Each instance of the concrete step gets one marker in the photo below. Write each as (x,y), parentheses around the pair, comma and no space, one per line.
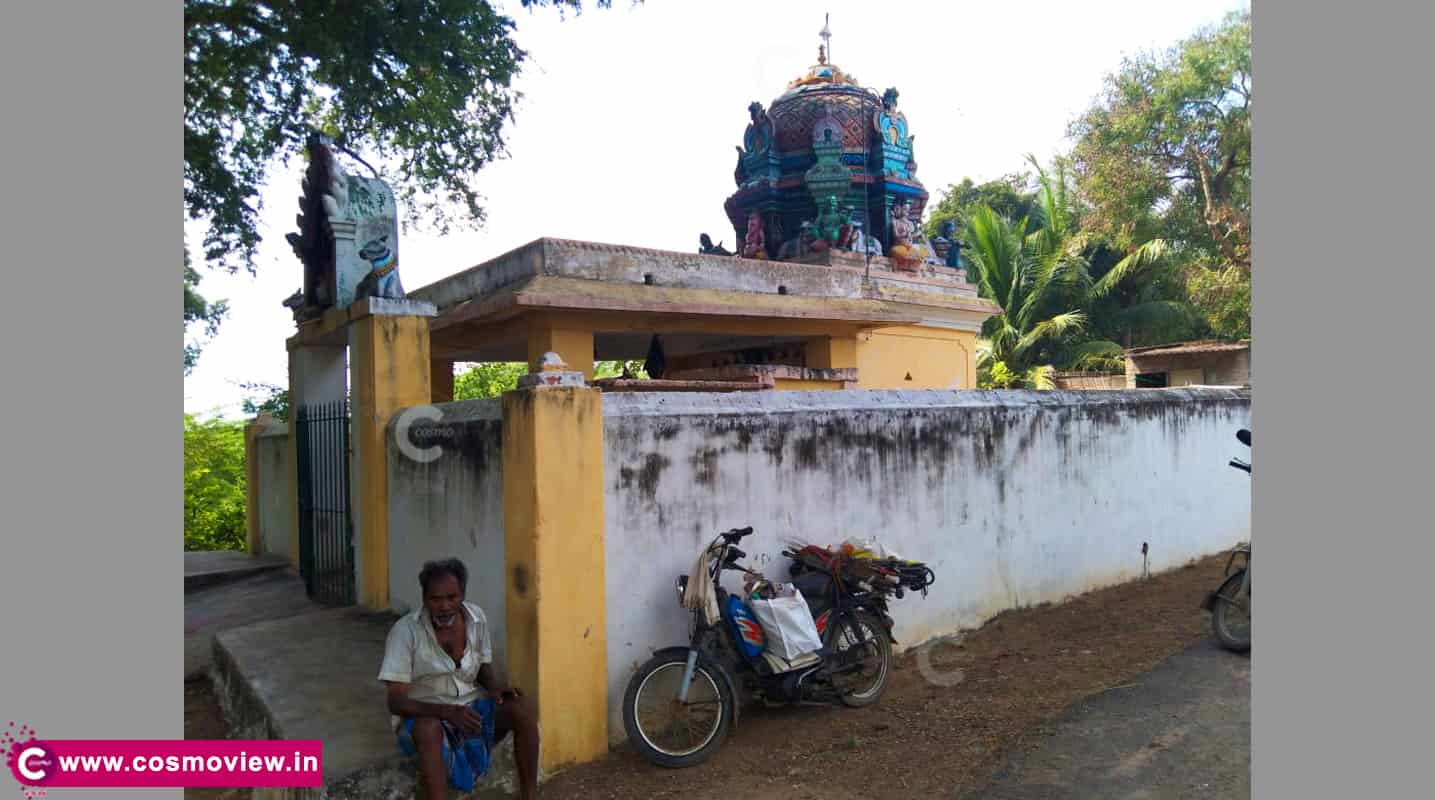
(270,594)
(205,568)
(314,675)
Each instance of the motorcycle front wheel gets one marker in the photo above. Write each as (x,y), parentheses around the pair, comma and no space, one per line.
(670,732)
(1231,615)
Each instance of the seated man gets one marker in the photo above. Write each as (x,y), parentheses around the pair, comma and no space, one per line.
(436,660)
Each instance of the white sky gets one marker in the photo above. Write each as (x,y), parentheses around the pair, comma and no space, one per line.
(630,116)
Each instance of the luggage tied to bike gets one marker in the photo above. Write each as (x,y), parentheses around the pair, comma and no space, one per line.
(786,623)
(867,561)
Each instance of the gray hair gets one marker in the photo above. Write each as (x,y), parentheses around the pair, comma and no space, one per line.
(437,569)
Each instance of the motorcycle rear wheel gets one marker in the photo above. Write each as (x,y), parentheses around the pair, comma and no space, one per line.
(864,630)
(671,733)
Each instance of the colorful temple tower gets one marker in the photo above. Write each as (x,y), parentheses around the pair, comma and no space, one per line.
(829,147)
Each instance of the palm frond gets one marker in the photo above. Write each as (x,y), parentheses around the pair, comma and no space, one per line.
(1059,325)
(996,251)
(1144,256)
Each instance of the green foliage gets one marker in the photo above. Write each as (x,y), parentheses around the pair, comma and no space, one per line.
(488,379)
(1028,282)
(1008,197)
(1224,298)
(614,369)
(1166,151)
(200,313)
(214,484)
(271,398)
(997,375)
(424,85)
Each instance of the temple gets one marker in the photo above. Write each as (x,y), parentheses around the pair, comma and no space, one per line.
(832,287)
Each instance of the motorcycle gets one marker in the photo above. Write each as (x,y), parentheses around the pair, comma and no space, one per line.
(682,704)
(1230,604)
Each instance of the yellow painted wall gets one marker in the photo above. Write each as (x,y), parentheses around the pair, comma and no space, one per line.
(390,371)
(801,385)
(554,566)
(832,352)
(936,358)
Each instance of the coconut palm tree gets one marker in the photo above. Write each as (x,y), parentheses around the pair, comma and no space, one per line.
(1042,280)
(1013,272)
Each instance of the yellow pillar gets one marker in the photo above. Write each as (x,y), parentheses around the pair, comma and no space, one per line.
(832,352)
(553,560)
(574,341)
(389,364)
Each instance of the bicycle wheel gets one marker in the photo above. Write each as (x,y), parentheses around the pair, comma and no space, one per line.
(1231,615)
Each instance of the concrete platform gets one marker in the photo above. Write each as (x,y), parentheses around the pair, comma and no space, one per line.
(208,567)
(315,676)
(253,596)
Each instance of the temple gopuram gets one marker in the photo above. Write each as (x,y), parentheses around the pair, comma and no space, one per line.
(828,166)
(832,285)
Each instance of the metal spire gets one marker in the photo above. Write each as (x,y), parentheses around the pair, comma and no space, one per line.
(826,35)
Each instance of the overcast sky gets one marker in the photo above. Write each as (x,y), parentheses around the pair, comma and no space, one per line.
(630,116)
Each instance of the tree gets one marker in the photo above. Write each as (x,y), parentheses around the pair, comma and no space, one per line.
(272,399)
(1166,153)
(200,313)
(1009,270)
(1054,311)
(422,84)
(214,484)
(488,379)
(615,369)
(1008,196)
(1171,138)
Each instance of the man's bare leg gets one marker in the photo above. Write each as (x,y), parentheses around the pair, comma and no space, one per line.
(428,740)
(516,714)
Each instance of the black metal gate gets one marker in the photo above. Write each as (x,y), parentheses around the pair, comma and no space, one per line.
(326,532)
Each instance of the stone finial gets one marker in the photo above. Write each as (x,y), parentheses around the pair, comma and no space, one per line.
(552,362)
(552,371)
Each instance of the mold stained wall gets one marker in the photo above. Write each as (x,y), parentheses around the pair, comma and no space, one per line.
(1014,498)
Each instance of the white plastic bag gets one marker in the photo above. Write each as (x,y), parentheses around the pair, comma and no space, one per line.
(788,625)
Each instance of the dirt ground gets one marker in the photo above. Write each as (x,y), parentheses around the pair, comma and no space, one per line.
(1019,671)
(203,720)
